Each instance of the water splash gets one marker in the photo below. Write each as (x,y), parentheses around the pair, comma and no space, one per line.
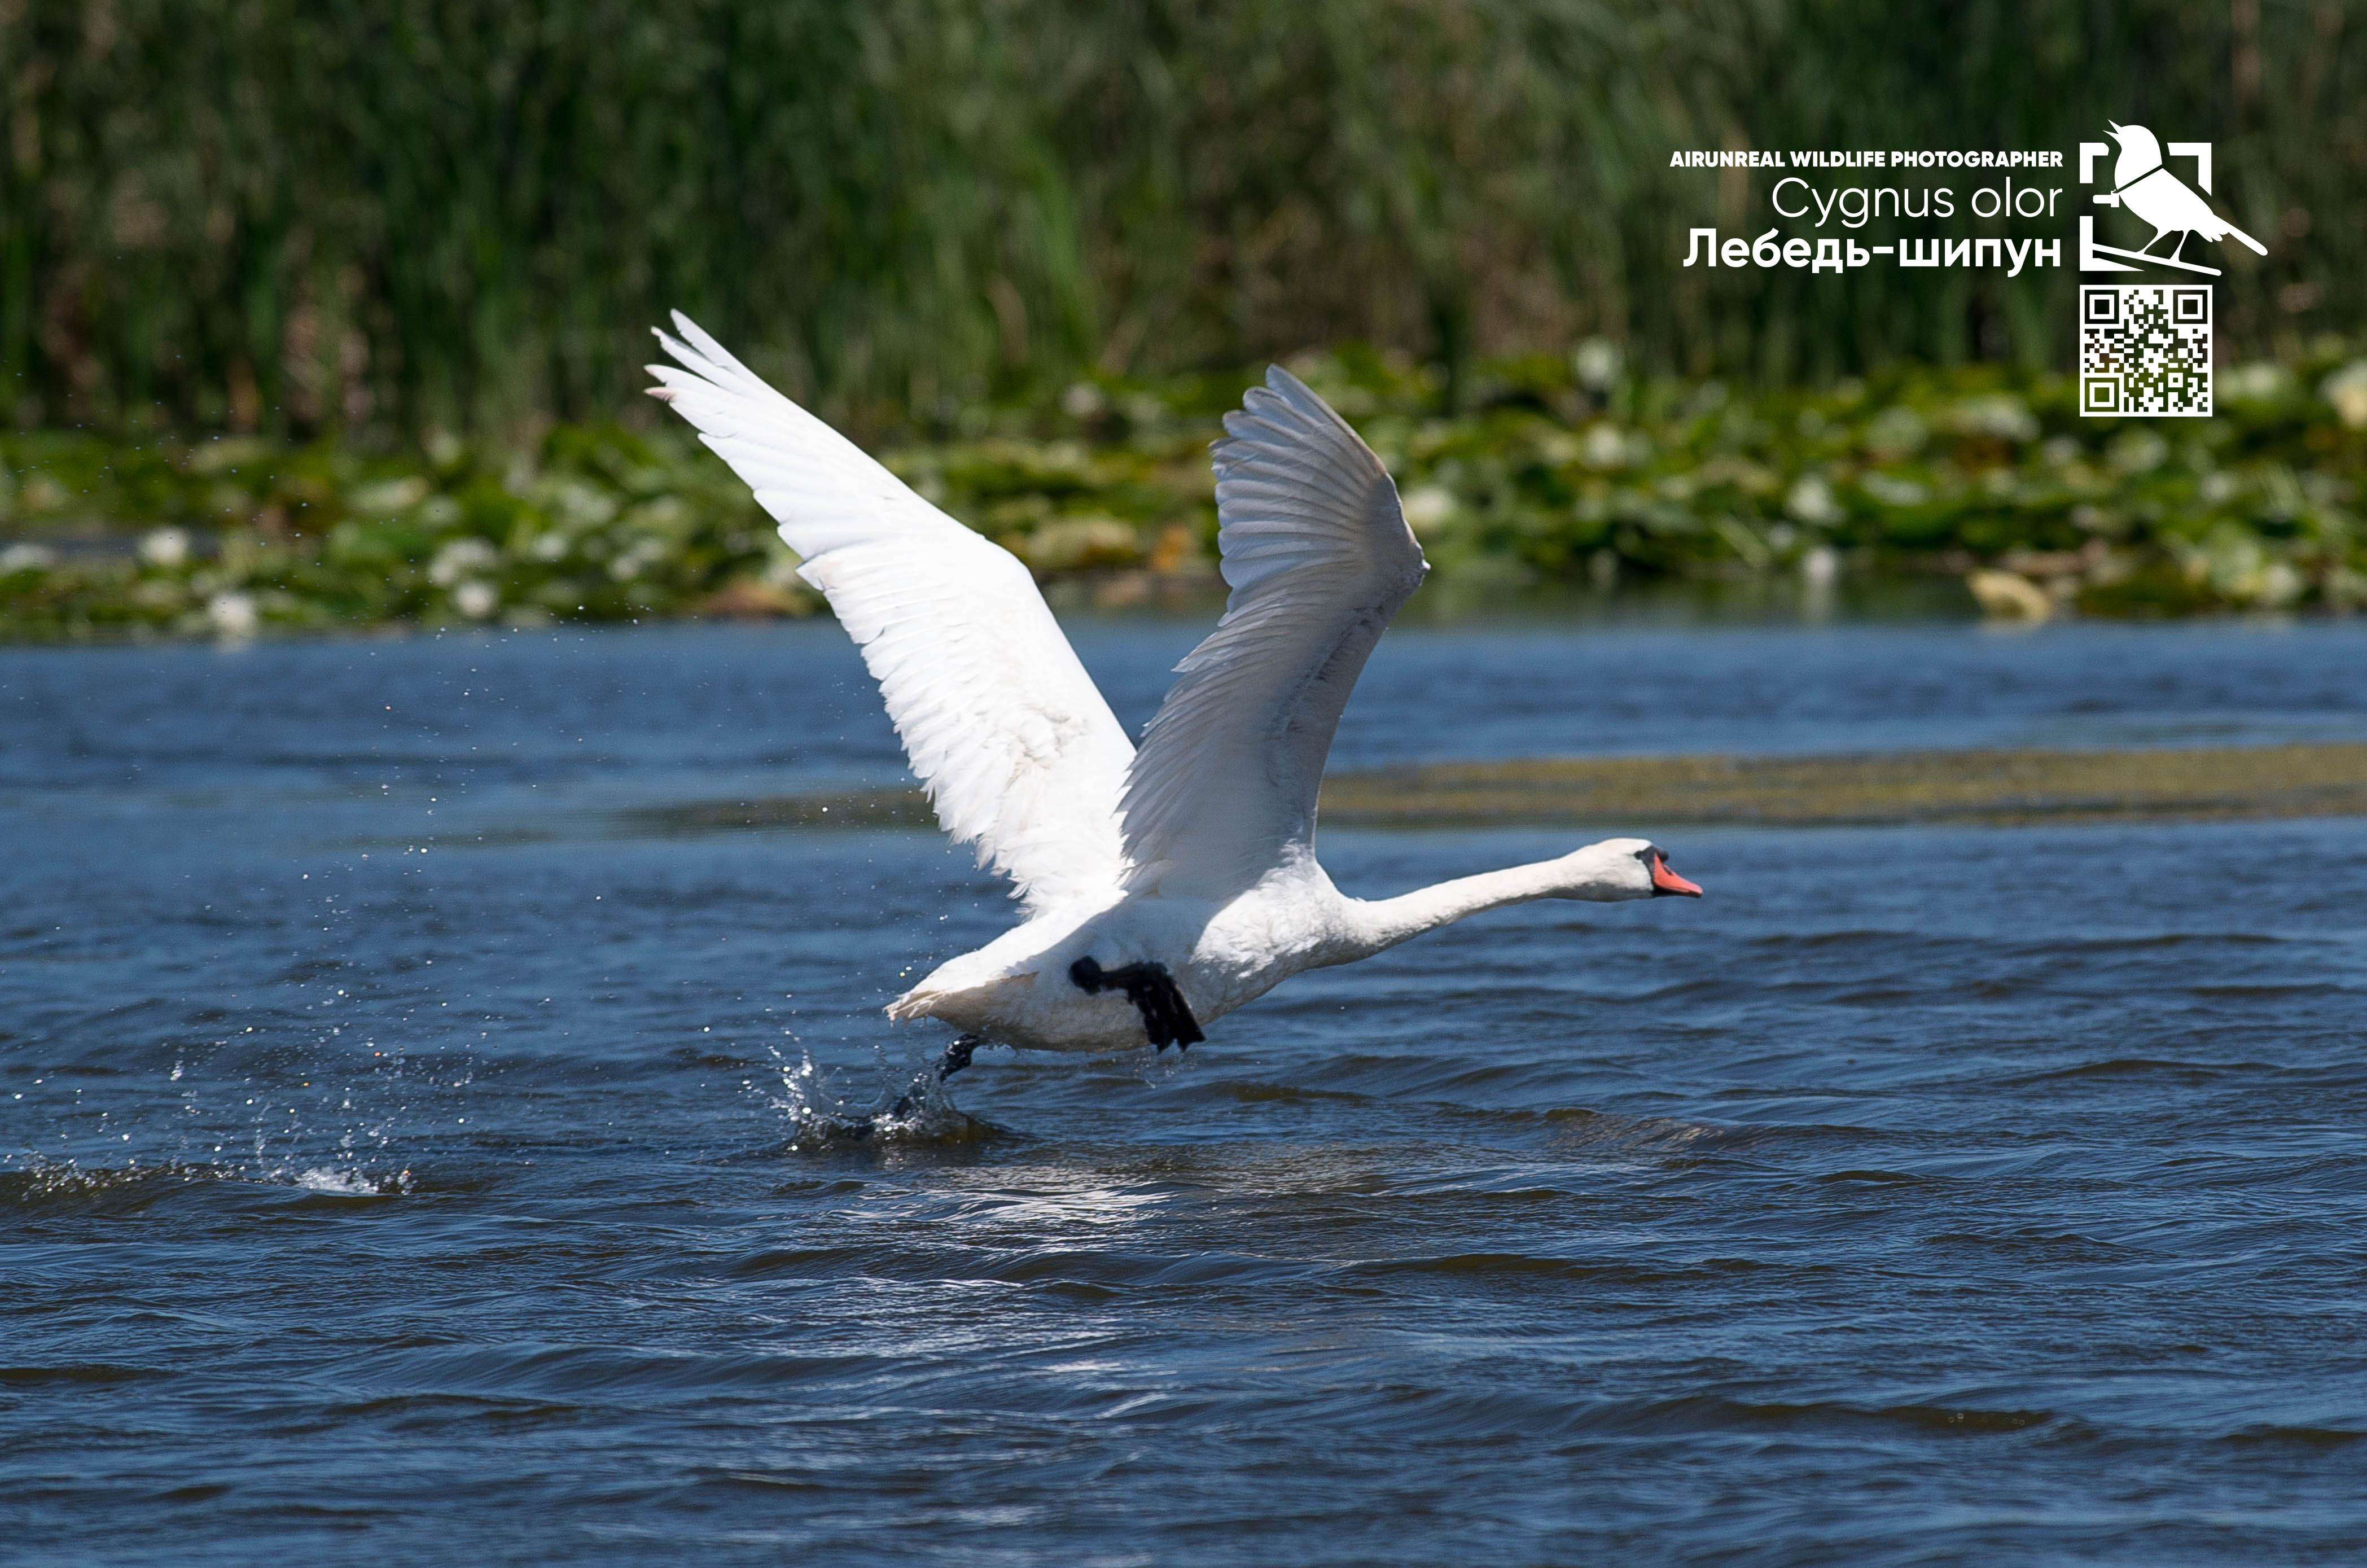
(923,1112)
(345,1182)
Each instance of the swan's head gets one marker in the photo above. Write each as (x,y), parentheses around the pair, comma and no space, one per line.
(1622,868)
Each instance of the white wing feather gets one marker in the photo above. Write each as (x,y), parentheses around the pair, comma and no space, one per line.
(1318,558)
(1019,752)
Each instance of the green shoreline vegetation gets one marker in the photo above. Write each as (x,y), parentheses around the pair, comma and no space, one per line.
(1007,248)
(1560,470)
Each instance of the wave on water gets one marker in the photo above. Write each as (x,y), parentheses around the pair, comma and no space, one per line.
(68,1185)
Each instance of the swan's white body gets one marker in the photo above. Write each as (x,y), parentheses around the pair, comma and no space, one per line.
(1196,852)
(1223,953)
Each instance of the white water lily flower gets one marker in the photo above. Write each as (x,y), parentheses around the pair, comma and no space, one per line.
(1811,501)
(1602,446)
(459,558)
(232,616)
(2347,390)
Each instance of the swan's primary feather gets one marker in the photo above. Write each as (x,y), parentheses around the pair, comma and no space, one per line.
(1318,555)
(1019,751)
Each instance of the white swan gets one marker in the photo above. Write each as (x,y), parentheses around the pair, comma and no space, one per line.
(1166,886)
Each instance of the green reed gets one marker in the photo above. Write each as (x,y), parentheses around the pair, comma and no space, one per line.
(359,216)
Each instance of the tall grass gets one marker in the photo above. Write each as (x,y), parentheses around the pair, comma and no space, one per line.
(386,215)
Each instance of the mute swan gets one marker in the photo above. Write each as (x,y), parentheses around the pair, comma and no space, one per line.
(1166,886)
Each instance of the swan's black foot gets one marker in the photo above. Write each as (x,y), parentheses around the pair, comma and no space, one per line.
(957,1055)
(956,1058)
(1152,991)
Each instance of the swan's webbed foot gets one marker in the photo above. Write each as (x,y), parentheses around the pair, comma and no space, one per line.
(957,1055)
(956,1058)
(1152,991)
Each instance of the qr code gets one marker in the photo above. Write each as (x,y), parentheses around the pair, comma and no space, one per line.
(2145,348)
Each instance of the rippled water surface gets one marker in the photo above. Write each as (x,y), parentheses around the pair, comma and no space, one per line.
(400,1159)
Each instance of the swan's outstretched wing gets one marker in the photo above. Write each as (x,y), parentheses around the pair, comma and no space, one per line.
(1019,752)
(1318,558)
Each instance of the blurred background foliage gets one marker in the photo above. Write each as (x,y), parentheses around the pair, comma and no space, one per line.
(376,221)
(331,312)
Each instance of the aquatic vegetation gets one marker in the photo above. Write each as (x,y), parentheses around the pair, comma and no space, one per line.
(1999,787)
(1557,469)
(236,536)
(1995,787)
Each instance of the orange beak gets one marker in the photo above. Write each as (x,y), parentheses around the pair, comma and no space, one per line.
(1668,884)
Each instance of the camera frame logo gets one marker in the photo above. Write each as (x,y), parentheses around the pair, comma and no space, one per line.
(2146,349)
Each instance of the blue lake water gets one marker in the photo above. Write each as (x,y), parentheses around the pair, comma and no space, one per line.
(402,1157)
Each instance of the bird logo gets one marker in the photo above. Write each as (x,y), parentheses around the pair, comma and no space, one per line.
(2142,184)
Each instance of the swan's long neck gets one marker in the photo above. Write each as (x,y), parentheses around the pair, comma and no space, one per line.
(1385,922)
